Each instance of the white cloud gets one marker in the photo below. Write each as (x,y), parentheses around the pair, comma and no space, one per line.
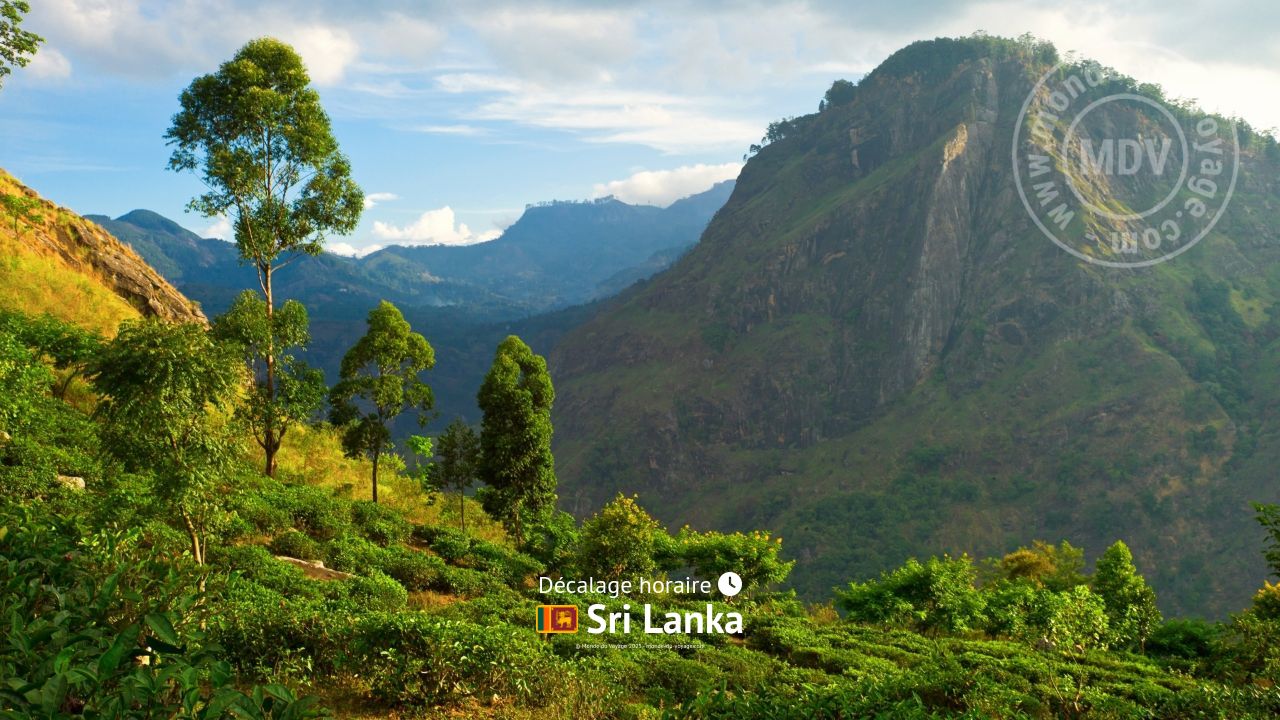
(349,250)
(663,187)
(326,51)
(559,44)
(434,227)
(667,122)
(464,130)
(49,64)
(372,199)
(221,229)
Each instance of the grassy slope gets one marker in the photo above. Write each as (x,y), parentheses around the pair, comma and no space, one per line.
(38,283)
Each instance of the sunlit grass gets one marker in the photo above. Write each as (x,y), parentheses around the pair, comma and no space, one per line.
(36,282)
(313,455)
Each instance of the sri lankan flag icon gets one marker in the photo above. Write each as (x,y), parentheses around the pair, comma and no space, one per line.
(557,618)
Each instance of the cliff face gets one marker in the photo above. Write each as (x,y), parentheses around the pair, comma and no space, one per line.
(874,351)
(59,242)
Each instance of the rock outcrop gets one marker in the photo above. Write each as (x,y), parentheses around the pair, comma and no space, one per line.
(85,247)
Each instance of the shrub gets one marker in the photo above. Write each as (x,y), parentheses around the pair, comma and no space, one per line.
(464,581)
(619,541)
(414,570)
(508,564)
(354,554)
(315,511)
(1184,639)
(936,595)
(265,514)
(554,540)
(262,631)
(255,563)
(450,544)
(296,545)
(126,639)
(379,523)
(413,659)
(754,556)
(377,592)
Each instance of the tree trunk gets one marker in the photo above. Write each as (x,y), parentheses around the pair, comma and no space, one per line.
(197,551)
(376,453)
(270,443)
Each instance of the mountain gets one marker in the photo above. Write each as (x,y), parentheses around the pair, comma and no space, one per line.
(876,352)
(59,263)
(210,271)
(465,300)
(610,244)
(605,242)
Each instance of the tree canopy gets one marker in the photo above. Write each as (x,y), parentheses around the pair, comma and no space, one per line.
(16,45)
(160,384)
(515,435)
(257,135)
(378,381)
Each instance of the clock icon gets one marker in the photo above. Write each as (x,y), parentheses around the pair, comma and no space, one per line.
(730,584)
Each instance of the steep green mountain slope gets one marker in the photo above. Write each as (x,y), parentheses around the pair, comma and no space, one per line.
(874,351)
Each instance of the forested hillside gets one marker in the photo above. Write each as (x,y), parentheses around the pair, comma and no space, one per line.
(875,352)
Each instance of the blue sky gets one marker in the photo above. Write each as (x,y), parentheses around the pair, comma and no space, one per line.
(457,114)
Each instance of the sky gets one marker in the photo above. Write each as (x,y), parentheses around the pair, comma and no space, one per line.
(455,115)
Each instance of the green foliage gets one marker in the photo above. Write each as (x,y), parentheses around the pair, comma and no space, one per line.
(841,92)
(295,392)
(619,542)
(296,545)
(937,595)
(257,564)
(754,556)
(22,381)
(68,347)
(20,208)
(1266,602)
(256,133)
(1130,602)
(96,626)
(1184,639)
(263,146)
(458,449)
(1269,518)
(417,660)
(377,592)
(377,382)
(383,526)
(159,383)
(1075,618)
(1057,568)
(16,45)
(554,540)
(515,436)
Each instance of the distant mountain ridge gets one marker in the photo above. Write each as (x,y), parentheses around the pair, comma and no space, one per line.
(466,299)
(555,256)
